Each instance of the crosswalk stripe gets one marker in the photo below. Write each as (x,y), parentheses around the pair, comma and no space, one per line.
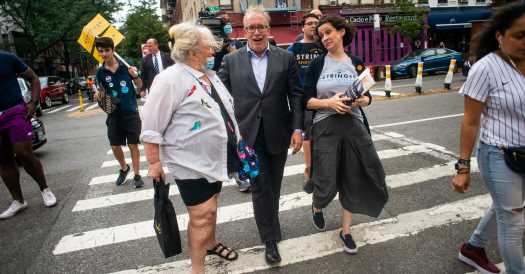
(288,170)
(375,138)
(58,109)
(115,162)
(125,198)
(393,181)
(73,108)
(111,178)
(94,105)
(125,149)
(326,243)
(134,231)
(383,154)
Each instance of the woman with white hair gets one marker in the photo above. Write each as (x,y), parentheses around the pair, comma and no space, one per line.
(194,134)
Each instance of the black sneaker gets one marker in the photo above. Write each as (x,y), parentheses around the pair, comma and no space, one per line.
(348,243)
(122,174)
(318,220)
(137,180)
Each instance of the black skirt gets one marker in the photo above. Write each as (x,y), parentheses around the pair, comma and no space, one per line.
(345,161)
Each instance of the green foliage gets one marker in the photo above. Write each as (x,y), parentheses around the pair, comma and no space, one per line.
(46,24)
(141,24)
(406,27)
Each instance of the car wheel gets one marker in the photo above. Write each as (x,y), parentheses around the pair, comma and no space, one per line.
(412,71)
(48,102)
(65,98)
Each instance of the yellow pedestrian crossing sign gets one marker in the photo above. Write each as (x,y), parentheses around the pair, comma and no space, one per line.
(98,27)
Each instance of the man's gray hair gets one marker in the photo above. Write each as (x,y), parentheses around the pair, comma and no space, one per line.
(258,9)
(187,36)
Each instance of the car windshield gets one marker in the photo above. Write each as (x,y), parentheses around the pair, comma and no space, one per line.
(413,54)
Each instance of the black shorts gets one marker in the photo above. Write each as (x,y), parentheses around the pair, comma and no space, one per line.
(197,191)
(123,128)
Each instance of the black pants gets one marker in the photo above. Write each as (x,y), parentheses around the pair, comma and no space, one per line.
(267,190)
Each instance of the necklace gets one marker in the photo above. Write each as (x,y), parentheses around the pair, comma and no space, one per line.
(512,63)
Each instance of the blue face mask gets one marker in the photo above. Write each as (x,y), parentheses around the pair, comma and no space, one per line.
(210,62)
(227,29)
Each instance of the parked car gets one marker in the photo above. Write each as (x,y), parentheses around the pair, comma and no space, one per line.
(52,89)
(39,131)
(26,92)
(434,59)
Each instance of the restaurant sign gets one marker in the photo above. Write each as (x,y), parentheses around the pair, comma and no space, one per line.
(385,18)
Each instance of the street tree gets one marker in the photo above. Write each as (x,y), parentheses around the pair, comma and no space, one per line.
(409,21)
(142,23)
(51,27)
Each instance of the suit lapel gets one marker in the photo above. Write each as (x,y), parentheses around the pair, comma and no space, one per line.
(246,63)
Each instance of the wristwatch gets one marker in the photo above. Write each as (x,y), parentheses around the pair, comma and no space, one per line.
(462,166)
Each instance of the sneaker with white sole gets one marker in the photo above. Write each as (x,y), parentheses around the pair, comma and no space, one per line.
(349,245)
(477,258)
(49,198)
(13,209)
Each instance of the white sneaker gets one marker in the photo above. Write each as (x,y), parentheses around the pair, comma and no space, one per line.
(14,208)
(49,198)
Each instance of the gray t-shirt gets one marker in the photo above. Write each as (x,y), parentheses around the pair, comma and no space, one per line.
(337,76)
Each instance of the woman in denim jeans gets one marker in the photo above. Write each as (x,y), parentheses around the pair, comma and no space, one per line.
(494,98)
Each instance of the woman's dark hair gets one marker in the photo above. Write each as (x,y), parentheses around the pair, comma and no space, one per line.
(104,42)
(339,23)
(485,42)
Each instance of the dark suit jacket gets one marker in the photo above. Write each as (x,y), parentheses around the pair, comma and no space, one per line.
(279,106)
(147,68)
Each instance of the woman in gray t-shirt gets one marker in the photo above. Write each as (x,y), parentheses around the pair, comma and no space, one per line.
(344,158)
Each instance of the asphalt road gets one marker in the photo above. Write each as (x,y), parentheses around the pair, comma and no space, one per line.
(98,227)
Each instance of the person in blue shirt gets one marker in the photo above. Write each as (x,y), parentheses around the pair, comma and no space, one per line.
(305,51)
(16,133)
(115,85)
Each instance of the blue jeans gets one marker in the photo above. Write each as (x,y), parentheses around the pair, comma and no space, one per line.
(506,188)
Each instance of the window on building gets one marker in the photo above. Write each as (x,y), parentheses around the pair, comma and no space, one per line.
(463,2)
(481,1)
(441,2)
(422,1)
(226,4)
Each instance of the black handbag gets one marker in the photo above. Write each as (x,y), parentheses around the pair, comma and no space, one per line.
(165,221)
(515,158)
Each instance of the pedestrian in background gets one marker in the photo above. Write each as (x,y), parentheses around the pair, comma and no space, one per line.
(319,15)
(116,82)
(344,158)
(152,64)
(195,135)
(494,105)
(16,133)
(305,51)
(263,82)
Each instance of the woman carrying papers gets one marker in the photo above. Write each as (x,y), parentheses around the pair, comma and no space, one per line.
(344,158)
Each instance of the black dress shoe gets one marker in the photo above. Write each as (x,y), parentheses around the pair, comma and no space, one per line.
(272,253)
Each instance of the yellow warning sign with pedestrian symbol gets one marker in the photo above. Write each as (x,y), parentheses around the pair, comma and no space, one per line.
(98,27)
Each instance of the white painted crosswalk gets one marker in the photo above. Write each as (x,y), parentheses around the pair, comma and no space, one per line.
(294,249)
(69,108)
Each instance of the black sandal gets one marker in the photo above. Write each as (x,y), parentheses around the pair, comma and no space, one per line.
(219,248)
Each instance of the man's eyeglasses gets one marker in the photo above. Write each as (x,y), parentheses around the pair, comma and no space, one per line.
(253,28)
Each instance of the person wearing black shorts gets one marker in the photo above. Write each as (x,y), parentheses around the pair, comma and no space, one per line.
(195,136)
(114,81)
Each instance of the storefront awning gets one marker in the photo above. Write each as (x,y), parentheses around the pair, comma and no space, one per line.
(454,18)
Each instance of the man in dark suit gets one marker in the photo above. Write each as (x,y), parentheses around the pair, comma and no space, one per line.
(263,81)
(155,62)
